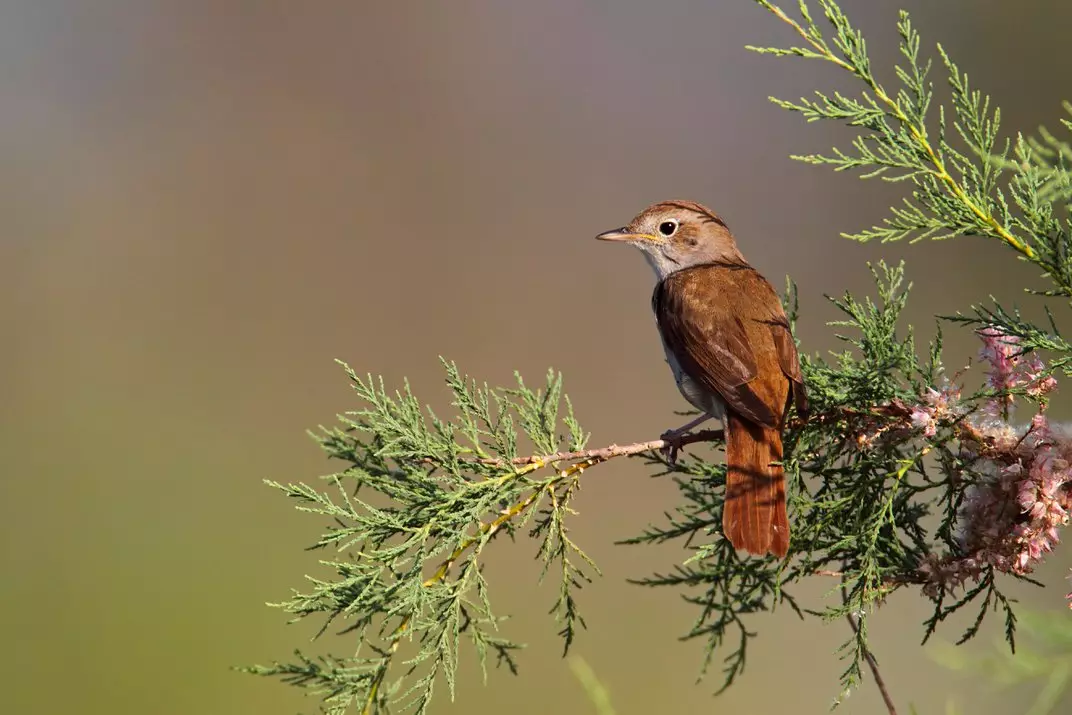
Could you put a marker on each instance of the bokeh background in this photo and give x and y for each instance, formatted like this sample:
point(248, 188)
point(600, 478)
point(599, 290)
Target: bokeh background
point(204, 203)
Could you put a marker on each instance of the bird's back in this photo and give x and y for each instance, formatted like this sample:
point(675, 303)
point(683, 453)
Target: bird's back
point(722, 326)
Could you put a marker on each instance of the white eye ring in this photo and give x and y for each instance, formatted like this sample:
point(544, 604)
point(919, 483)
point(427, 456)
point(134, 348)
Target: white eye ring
point(668, 228)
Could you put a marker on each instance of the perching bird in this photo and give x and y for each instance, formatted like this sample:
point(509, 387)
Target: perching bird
point(728, 343)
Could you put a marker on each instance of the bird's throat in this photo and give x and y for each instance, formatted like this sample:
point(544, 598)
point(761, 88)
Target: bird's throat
point(662, 264)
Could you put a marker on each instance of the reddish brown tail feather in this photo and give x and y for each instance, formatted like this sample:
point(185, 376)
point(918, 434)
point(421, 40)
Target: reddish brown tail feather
point(754, 517)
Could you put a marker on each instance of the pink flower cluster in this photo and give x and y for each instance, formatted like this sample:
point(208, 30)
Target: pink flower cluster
point(1010, 518)
point(936, 406)
point(1011, 367)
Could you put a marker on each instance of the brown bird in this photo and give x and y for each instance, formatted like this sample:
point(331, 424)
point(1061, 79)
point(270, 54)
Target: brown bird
point(728, 343)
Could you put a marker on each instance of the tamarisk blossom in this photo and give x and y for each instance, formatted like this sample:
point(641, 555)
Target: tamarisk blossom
point(1012, 368)
point(936, 406)
point(1010, 518)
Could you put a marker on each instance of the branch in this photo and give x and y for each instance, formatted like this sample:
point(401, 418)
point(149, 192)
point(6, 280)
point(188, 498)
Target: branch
point(873, 665)
point(603, 454)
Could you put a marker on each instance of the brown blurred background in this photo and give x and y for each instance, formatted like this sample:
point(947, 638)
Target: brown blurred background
point(205, 203)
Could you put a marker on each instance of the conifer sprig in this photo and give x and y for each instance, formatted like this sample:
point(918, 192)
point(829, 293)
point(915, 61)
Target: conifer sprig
point(411, 514)
point(963, 180)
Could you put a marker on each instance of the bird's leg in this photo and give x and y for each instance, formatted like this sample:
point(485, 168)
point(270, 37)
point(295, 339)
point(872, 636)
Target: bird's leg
point(684, 429)
point(673, 437)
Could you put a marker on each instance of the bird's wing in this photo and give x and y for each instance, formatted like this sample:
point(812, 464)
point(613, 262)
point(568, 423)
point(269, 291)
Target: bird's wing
point(713, 331)
point(789, 361)
point(767, 308)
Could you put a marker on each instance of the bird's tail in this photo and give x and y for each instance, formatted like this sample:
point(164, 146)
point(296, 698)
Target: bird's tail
point(754, 517)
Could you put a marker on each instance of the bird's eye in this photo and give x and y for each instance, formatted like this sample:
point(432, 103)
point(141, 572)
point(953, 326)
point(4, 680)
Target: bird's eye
point(667, 228)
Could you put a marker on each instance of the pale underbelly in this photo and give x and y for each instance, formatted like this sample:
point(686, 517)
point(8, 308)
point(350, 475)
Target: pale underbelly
point(700, 398)
point(695, 393)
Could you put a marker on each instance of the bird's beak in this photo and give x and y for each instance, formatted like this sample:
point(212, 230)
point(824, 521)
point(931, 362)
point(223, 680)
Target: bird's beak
point(618, 234)
point(623, 234)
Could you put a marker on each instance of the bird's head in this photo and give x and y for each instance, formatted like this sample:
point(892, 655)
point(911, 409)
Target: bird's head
point(678, 234)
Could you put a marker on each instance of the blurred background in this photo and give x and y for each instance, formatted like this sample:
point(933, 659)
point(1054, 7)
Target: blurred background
point(204, 203)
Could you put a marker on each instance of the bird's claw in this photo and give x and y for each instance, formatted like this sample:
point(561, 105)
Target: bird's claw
point(669, 451)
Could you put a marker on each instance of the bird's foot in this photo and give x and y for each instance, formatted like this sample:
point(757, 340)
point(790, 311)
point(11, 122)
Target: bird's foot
point(672, 439)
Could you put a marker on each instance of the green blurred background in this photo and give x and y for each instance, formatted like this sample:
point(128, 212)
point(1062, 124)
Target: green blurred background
point(205, 203)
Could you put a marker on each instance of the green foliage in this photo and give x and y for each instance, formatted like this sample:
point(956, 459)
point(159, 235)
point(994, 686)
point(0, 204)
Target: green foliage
point(963, 180)
point(410, 514)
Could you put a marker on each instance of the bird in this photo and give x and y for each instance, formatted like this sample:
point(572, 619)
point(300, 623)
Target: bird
point(729, 345)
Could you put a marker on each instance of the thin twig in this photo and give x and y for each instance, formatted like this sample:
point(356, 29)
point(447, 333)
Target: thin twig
point(871, 662)
point(604, 453)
